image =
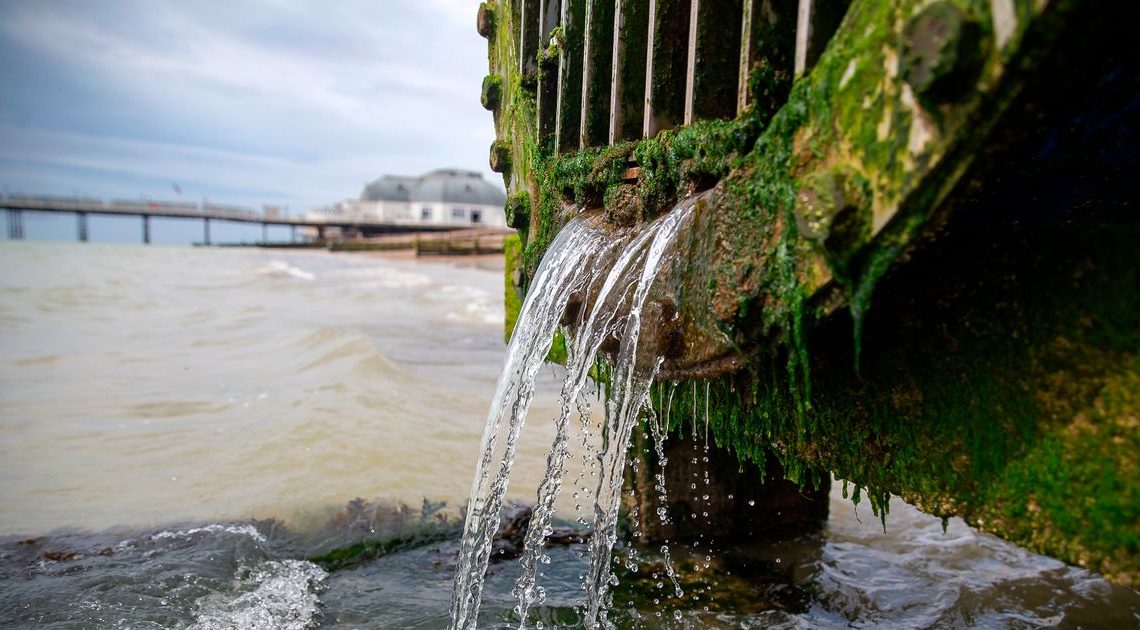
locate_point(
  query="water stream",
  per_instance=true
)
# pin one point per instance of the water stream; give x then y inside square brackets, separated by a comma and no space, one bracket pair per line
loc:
[582,256]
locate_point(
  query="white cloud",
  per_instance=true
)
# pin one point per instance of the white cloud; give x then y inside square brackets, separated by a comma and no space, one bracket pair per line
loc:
[306,98]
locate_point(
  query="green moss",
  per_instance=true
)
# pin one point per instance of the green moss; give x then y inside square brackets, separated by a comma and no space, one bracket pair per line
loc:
[367,550]
[512,300]
[1011,410]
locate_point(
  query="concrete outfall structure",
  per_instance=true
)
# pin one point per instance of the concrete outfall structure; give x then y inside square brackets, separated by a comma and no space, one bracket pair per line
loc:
[916,269]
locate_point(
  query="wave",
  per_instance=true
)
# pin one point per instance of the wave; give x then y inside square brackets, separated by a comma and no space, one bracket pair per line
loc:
[377,277]
[282,269]
[274,594]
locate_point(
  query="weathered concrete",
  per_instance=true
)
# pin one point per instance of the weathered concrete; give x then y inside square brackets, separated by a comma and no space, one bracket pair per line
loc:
[899,277]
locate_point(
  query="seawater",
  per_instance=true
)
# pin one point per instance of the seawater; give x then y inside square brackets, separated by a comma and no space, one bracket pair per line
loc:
[183,428]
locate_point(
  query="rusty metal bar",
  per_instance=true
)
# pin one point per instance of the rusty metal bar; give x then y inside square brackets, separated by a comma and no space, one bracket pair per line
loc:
[666,63]
[569,116]
[713,59]
[627,93]
[597,73]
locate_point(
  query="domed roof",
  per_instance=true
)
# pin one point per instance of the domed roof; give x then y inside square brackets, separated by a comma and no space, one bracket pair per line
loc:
[457,186]
[389,188]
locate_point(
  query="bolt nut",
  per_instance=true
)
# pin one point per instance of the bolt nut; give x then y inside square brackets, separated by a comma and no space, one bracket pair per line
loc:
[518,211]
[832,210]
[485,20]
[492,92]
[500,157]
[943,52]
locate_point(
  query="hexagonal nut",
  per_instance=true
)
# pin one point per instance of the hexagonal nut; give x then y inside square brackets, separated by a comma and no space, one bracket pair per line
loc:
[492,92]
[833,210]
[485,20]
[500,159]
[518,211]
[943,52]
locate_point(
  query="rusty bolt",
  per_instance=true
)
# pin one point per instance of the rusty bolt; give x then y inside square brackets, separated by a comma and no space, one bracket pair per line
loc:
[500,157]
[943,52]
[832,210]
[492,92]
[485,20]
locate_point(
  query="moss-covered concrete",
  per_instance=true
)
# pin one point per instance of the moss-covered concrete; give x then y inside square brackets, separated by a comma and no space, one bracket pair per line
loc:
[847,323]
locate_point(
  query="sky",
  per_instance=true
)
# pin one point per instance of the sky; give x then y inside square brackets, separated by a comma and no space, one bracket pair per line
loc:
[286,102]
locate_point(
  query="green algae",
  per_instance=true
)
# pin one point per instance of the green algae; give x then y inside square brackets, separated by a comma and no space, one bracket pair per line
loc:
[953,417]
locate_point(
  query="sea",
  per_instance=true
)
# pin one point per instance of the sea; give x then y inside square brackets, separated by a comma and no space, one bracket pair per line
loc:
[189,434]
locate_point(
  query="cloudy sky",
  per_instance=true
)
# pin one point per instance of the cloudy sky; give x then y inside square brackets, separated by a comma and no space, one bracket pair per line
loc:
[246,101]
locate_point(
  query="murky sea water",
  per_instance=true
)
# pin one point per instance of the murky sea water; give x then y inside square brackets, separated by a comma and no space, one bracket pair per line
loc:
[183,429]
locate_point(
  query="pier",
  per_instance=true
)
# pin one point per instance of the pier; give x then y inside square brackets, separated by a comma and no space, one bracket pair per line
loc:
[82,207]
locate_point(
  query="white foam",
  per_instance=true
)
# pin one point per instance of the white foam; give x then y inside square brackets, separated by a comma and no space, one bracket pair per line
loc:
[279,595]
[280,268]
[382,278]
[478,312]
[213,528]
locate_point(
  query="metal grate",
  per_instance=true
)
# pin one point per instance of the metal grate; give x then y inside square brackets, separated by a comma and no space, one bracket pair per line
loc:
[628,69]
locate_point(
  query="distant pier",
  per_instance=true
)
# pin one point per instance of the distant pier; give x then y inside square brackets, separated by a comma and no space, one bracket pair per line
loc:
[15,207]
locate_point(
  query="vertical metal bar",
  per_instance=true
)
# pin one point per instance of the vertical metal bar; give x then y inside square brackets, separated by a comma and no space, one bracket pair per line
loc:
[597,72]
[691,61]
[627,92]
[714,59]
[206,231]
[81,224]
[746,47]
[816,22]
[528,38]
[146,229]
[293,233]
[803,36]
[549,16]
[768,49]
[15,224]
[264,232]
[569,118]
[665,65]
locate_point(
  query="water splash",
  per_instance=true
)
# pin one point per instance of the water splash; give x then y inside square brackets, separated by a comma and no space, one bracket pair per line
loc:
[564,270]
[614,277]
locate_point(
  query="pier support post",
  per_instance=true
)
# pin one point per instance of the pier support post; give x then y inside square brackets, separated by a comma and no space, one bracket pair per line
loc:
[206,231]
[264,233]
[15,224]
[146,229]
[321,233]
[293,233]
[81,226]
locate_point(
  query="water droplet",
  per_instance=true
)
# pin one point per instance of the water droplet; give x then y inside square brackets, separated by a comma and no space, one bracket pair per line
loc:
[677,615]
[751,502]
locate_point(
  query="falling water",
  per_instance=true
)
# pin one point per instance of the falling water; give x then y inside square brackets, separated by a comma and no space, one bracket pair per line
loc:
[613,277]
